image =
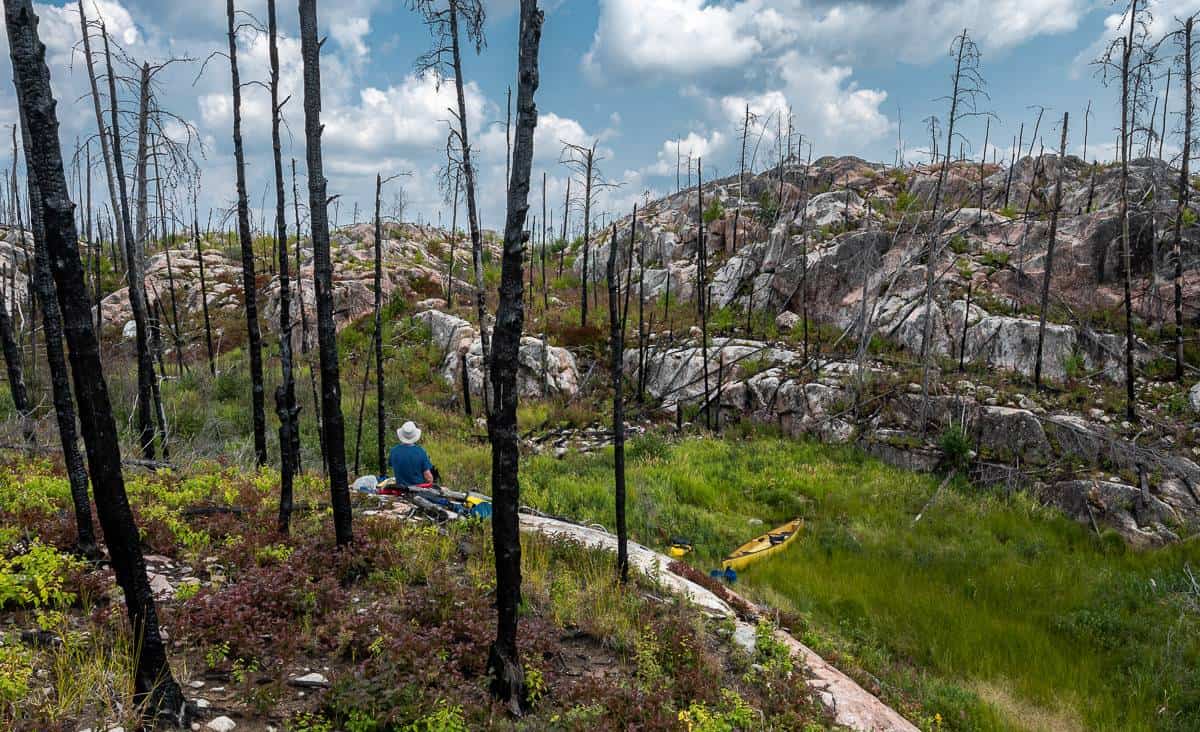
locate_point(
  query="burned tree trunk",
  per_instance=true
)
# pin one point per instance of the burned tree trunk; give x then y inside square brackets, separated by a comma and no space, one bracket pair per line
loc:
[587,231]
[153,682]
[1062,171]
[331,388]
[105,147]
[380,461]
[702,290]
[453,242]
[134,278]
[176,336]
[616,346]
[1185,188]
[965,65]
[1126,256]
[212,364]
[987,131]
[508,678]
[249,283]
[468,173]
[285,393]
[312,376]
[141,243]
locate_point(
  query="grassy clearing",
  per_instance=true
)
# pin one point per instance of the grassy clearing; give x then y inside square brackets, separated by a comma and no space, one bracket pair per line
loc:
[990,612]
[400,626]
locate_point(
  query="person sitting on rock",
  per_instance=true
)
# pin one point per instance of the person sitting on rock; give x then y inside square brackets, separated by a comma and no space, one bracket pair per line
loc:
[409,462]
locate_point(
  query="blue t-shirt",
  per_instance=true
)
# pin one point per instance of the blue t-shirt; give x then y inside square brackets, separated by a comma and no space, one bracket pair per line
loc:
[409,463]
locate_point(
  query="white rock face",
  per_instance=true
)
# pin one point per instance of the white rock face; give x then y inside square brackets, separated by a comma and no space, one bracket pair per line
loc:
[451,333]
[677,374]
[1194,398]
[834,207]
[457,339]
[682,279]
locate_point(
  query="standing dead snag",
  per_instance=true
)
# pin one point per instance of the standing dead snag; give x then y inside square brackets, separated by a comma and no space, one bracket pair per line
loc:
[331,388]
[141,244]
[105,147]
[504,664]
[208,341]
[285,393]
[1185,189]
[1062,171]
[702,289]
[249,282]
[137,294]
[445,59]
[1134,73]
[380,418]
[968,84]
[153,683]
[60,380]
[616,346]
[582,160]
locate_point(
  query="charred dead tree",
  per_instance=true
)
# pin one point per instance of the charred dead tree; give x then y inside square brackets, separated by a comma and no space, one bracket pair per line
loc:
[141,244]
[987,132]
[246,239]
[380,417]
[176,333]
[968,84]
[133,273]
[582,161]
[105,146]
[562,243]
[702,288]
[747,120]
[504,664]
[1125,56]
[285,394]
[154,684]
[331,388]
[208,340]
[453,240]
[312,372]
[616,347]
[1049,273]
[1185,188]
[445,59]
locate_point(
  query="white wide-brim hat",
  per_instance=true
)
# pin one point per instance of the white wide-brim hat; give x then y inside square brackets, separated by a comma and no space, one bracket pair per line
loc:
[408,434]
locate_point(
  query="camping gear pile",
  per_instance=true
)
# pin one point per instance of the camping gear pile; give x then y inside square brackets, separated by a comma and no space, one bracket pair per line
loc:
[431,500]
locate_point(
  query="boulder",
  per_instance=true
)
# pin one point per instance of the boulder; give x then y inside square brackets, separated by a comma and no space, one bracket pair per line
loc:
[786,321]
[680,279]
[835,208]
[1142,520]
[556,365]
[452,334]
[1194,398]
[1008,434]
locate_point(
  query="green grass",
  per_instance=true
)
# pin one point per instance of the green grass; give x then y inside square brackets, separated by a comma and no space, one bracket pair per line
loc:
[991,611]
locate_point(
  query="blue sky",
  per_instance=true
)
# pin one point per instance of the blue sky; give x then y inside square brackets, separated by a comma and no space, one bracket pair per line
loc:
[640,77]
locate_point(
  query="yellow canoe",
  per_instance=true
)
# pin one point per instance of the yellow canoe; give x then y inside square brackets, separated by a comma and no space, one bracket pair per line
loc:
[775,540]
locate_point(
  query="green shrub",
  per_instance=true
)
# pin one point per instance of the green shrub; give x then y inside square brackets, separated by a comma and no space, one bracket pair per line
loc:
[1073,365]
[956,447]
[16,668]
[36,578]
[714,211]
